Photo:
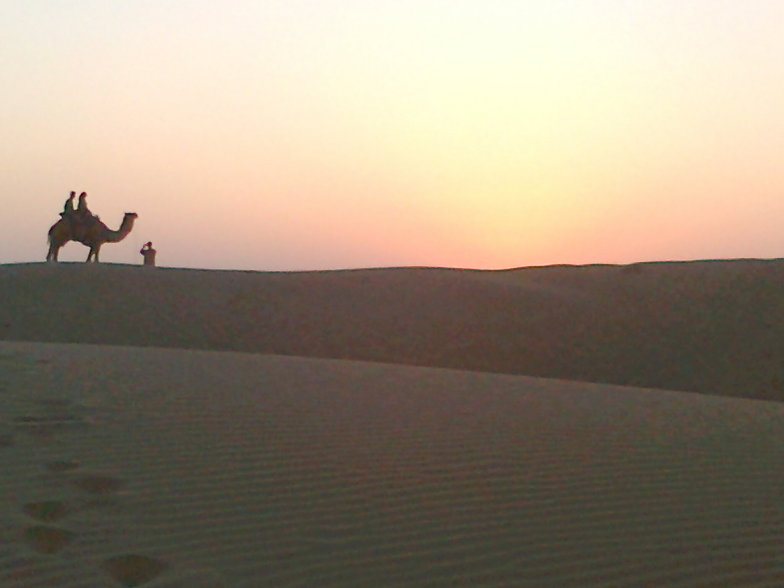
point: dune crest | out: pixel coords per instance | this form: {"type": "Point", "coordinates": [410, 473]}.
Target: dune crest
{"type": "Point", "coordinates": [713, 327]}
{"type": "Point", "coordinates": [141, 446]}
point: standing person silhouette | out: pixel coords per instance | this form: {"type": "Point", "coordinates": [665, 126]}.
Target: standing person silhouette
{"type": "Point", "coordinates": [148, 253]}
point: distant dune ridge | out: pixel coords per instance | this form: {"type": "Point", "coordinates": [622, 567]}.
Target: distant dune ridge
{"type": "Point", "coordinates": [153, 432]}
{"type": "Point", "coordinates": [714, 326]}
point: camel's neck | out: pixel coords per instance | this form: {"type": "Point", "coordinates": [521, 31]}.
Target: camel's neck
{"type": "Point", "coordinates": [122, 232]}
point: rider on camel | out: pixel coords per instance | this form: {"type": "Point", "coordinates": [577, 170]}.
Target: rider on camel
{"type": "Point", "coordinates": [81, 210]}
{"type": "Point", "coordinates": [68, 209]}
{"type": "Point", "coordinates": [80, 218]}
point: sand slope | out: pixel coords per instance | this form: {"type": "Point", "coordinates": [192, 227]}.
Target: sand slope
{"type": "Point", "coordinates": [195, 468]}
{"type": "Point", "coordinates": [715, 327]}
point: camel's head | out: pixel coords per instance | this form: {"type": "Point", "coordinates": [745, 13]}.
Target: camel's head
{"type": "Point", "coordinates": [130, 215]}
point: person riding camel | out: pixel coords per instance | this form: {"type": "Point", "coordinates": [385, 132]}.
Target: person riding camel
{"type": "Point", "coordinates": [80, 218]}
{"type": "Point", "coordinates": [68, 208]}
{"type": "Point", "coordinates": [81, 210]}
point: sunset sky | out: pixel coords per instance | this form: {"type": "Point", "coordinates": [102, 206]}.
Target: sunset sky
{"type": "Point", "coordinates": [294, 134]}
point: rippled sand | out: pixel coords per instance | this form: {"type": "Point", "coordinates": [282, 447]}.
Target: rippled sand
{"type": "Point", "coordinates": [129, 464]}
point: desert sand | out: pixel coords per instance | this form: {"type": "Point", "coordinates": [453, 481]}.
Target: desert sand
{"type": "Point", "coordinates": [165, 427]}
{"type": "Point", "coordinates": [715, 327]}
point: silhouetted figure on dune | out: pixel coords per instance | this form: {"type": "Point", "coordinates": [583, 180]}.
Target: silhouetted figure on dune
{"type": "Point", "coordinates": [148, 253]}
{"type": "Point", "coordinates": [83, 226]}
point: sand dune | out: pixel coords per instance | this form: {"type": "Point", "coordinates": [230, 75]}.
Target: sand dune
{"type": "Point", "coordinates": [151, 467]}
{"type": "Point", "coordinates": [715, 327]}
{"type": "Point", "coordinates": [156, 430]}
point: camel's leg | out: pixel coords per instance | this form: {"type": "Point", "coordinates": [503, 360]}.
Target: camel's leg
{"type": "Point", "coordinates": [51, 255]}
{"type": "Point", "coordinates": [93, 254]}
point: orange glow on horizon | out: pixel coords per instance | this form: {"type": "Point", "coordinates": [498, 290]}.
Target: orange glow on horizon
{"type": "Point", "coordinates": [285, 135]}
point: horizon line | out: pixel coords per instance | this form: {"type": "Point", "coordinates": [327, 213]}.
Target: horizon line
{"type": "Point", "coordinates": [408, 267]}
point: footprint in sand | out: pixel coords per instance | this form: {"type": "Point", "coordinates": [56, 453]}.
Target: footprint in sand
{"type": "Point", "coordinates": [94, 484]}
{"type": "Point", "coordinates": [46, 539]}
{"type": "Point", "coordinates": [128, 569]}
{"type": "Point", "coordinates": [133, 569]}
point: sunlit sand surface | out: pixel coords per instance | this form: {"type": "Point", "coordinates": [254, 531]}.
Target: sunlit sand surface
{"type": "Point", "coordinates": [126, 463]}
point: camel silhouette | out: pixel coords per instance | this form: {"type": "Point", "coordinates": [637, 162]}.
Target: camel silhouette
{"type": "Point", "coordinates": [89, 231]}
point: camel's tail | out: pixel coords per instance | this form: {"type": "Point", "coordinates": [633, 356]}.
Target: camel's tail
{"type": "Point", "coordinates": [49, 244]}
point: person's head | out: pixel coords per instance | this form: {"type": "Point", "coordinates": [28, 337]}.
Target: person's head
{"type": "Point", "coordinates": [72, 194]}
{"type": "Point", "coordinates": [83, 195]}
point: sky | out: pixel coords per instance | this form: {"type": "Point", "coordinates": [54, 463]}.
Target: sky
{"type": "Point", "coordinates": [326, 134]}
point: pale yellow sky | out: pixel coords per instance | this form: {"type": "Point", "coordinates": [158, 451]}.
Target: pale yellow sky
{"type": "Point", "coordinates": [312, 135]}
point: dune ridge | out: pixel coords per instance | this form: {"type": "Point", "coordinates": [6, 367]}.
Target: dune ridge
{"type": "Point", "coordinates": [196, 468]}
{"type": "Point", "coordinates": [710, 326]}
{"type": "Point", "coordinates": [166, 428]}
